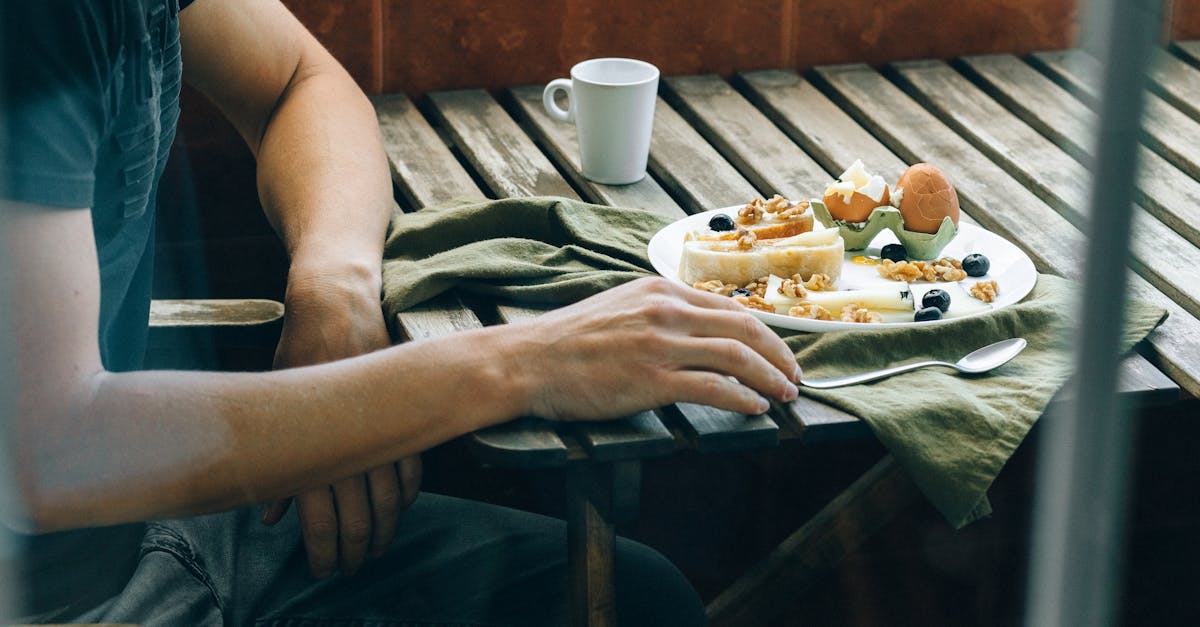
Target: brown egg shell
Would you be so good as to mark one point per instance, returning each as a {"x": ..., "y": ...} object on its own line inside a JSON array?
[
  {"x": 927, "y": 197},
  {"x": 858, "y": 209}
]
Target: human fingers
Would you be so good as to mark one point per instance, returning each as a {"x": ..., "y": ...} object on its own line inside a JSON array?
[
  {"x": 354, "y": 522},
  {"x": 319, "y": 528},
  {"x": 714, "y": 389},
  {"x": 736, "y": 359},
  {"x": 383, "y": 486},
  {"x": 274, "y": 512},
  {"x": 739, "y": 325},
  {"x": 411, "y": 472}
]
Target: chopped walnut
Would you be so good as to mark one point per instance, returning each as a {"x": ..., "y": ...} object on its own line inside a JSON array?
[
  {"x": 809, "y": 310},
  {"x": 819, "y": 282},
  {"x": 716, "y": 287},
  {"x": 752, "y": 213},
  {"x": 854, "y": 313},
  {"x": 944, "y": 269},
  {"x": 776, "y": 204},
  {"x": 794, "y": 211},
  {"x": 792, "y": 288},
  {"x": 985, "y": 291},
  {"x": 755, "y": 302},
  {"x": 899, "y": 270},
  {"x": 746, "y": 239},
  {"x": 758, "y": 287}
]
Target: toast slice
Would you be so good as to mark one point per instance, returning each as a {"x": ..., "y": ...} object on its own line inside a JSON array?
[
  {"x": 731, "y": 261},
  {"x": 776, "y": 218}
]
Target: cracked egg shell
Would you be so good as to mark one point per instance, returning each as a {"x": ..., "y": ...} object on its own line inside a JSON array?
[
  {"x": 926, "y": 197},
  {"x": 857, "y": 209}
]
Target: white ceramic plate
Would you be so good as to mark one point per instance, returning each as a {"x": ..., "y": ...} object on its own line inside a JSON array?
[{"x": 1011, "y": 268}]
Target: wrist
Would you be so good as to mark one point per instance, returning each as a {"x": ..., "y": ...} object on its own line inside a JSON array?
[{"x": 506, "y": 374}]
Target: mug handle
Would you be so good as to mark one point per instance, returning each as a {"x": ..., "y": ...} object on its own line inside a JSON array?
[{"x": 552, "y": 108}]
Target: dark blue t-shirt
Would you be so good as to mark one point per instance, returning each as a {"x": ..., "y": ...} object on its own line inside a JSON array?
[{"x": 88, "y": 106}]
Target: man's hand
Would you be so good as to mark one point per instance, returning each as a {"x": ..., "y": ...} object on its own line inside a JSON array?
[
  {"x": 650, "y": 343},
  {"x": 327, "y": 319}
]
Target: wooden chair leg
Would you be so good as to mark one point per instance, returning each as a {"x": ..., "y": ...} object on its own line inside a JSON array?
[
  {"x": 599, "y": 495},
  {"x": 810, "y": 553}
]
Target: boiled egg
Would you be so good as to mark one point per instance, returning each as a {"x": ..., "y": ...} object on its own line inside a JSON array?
[
  {"x": 855, "y": 194},
  {"x": 925, "y": 196}
]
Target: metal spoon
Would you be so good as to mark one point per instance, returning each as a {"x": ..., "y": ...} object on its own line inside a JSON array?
[{"x": 978, "y": 361}]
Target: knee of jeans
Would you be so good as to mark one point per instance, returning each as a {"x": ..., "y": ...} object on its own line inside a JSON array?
[{"x": 650, "y": 590}]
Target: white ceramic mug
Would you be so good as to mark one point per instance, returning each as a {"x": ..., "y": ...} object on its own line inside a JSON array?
[{"x": 611, "y": 102}]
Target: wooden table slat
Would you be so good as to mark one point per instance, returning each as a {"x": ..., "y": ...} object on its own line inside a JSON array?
[
  {"x": 561, "y": 142},
  {"x": 1163, "y": 189},
  {"x": 639, "y": 436},
  {"x": 690, "y": 169},
  {"x": 503, "y": 155},
  {"x": 1177, "y": 83},
  {"x": 745, "y": 137},
  {"x": 1161, "y": 255},
  {"x": 1189, "y": 51},
  {"x": 423, "y": 168},
  {"x": 1167, "y": 130},
  {"x": 710, "y": 429},
  {"x": 1000, "y": 203}
]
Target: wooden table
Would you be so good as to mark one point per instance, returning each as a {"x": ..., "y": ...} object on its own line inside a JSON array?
[{"x": 1006, "y": 129}]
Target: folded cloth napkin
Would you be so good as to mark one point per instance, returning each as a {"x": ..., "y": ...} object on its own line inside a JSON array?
[{"x": 952, "y": 434}]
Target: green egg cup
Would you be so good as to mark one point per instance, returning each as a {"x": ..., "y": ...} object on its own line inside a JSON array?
[{"x": 858, "y": 235}]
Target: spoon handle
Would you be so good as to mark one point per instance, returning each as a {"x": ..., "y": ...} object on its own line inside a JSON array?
[{"x": 863, "y": 377}]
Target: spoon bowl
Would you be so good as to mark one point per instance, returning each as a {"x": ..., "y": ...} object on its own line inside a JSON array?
[{"x": 977, "y": 361}]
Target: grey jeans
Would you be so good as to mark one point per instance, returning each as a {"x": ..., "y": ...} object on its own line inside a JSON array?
[{"x": 454, "y": 562}]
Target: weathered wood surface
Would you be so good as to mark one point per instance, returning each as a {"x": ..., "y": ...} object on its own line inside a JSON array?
[
  {"x": 1163, "y": 189},
  {"x": 214, "y": 312},
  {"x": 423, "y": 168},
  {"x": 1167, "y": 130},
  {"x": 1161, "y": 256},
  {"x": 1001, "y": 203},
  {"x": 492, "y": 142}
]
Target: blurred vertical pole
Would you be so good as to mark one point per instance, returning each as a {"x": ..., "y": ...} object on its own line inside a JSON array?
[{"x": 1083, "y": 464}]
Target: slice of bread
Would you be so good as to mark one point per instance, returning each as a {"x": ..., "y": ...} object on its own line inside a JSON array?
[
  {"x": 764, "y": 224},
  {"x": 724, "y": 260}
]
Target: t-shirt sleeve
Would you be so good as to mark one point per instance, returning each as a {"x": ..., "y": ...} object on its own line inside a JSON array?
[{"x": 56, "y": 65}]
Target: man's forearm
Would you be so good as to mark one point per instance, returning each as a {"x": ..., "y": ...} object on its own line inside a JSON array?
[
  {"x": 211, "y": 441},
  {"x": 323, "y": 177}
]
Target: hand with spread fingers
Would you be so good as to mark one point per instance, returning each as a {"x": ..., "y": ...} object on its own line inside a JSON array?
[{"x": 650, "y": 343}]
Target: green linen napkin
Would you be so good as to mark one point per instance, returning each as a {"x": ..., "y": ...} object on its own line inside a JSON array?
[{"x": 952, "y": 434}]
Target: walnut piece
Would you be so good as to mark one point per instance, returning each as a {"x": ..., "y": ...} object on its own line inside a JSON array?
[
  {"x": 715, "y": 286},
  {"x": 746, "y": 239},
  {"x": 809, "y": 310},
  {"x": 758, "y": 286},
  {"x": 776, "y": 204},
  {"x": 819, "y": 282},
  {"x": 985, "y": 290},
  {"x": 793, "y": 288},
  {"x": 752, "y": 213},
  {"x": 794, "y": 211},
  {"x": 854, "y": 313},
  {"x": 755, "y": 302},
  {"x": 944, "y": 269}
]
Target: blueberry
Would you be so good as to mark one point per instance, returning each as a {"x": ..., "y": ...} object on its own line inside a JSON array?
[
  {"x": 721, "y": 222},
  {"x": 936, "y": 298},
  {"x": 894, "y": 252},
  {"x": 976, "y": 265},
  {"x": 928, "y": 313},
  {"x": 741, "y": 291}
]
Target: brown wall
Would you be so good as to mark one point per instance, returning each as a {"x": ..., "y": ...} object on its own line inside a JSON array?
[{"x": 419, "y": 46}]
